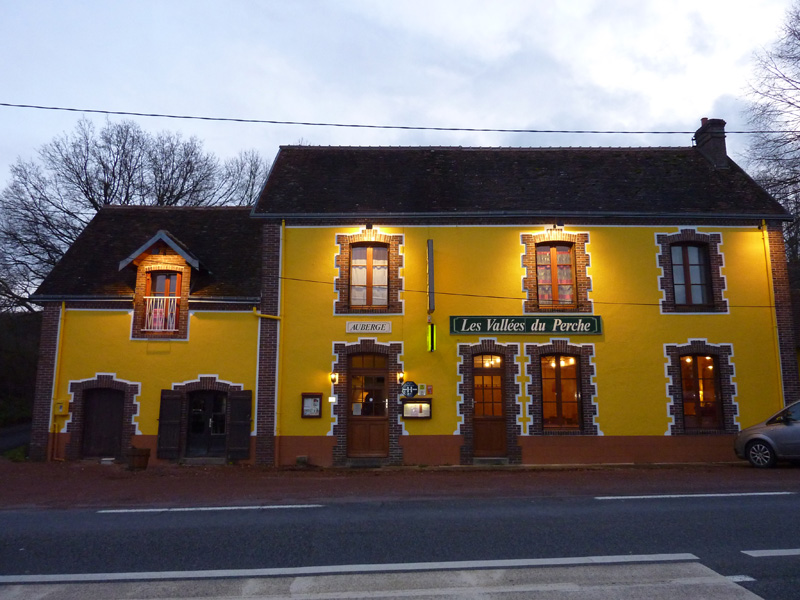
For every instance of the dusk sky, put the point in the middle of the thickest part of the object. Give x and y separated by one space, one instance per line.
534 64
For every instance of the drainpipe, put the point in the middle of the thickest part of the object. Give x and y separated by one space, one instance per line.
773 308
56 377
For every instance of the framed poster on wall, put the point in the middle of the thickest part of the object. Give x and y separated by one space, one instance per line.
311 406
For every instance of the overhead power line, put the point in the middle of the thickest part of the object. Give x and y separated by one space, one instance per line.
358 125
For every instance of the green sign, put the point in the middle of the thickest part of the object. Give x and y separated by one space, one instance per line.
584 325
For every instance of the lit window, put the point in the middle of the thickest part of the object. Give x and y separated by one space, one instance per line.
555 275
369 275
702 408
560 392
162 300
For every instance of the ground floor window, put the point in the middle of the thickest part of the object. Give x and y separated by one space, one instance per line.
702 389
560 392
702 408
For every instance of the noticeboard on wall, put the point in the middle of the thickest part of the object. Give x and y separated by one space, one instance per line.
311 406
417 408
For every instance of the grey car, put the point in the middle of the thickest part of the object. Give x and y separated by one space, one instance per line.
775 439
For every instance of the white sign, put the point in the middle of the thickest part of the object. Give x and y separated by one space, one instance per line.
369 327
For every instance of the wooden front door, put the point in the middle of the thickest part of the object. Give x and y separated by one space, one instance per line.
102 423
368 407
207 423
489 423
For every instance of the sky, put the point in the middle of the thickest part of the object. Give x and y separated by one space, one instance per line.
644 65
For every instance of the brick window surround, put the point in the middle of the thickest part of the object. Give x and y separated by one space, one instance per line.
166 261
78 390
666 283
583 283
343 351
342 282
511 391
727 389
588 391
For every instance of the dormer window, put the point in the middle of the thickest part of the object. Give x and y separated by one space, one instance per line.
164 269
162 301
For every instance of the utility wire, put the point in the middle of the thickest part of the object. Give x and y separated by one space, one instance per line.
515 298
361 125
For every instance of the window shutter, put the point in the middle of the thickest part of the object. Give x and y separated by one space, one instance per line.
239 418
169 425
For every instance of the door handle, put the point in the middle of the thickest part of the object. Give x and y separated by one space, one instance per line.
209 421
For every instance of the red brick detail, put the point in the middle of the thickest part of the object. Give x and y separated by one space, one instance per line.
511 391
166 260
392 351
78 390
269 330
45 374
666 282
727 389
587 390
787 341
342 282
583 283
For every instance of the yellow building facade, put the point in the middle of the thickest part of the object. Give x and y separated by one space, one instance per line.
389 306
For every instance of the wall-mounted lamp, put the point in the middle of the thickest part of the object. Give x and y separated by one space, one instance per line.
401 377
334 378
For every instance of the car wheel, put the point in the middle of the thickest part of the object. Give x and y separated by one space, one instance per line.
760 454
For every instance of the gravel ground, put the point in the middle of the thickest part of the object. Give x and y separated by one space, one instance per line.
88 484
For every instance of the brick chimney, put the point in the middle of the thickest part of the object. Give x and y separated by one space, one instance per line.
710 141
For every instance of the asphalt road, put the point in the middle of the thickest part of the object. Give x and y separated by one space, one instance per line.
717 530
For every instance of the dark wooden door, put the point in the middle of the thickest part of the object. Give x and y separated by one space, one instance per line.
207 423
489 422
368 404
102 423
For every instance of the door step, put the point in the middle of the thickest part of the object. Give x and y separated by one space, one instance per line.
196 461
365 463
485 461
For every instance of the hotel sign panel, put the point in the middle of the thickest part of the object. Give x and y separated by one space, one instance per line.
583 325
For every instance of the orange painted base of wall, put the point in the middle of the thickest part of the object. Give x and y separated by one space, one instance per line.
438 450
318 451
555 450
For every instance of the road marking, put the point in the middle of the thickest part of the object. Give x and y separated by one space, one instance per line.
206 508
763 553
343 569
667 496
739 578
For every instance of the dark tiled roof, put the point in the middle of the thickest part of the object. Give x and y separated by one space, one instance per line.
226 241
328 181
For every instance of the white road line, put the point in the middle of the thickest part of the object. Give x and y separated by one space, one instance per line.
763 553
340 569
206 508
667 496
739 578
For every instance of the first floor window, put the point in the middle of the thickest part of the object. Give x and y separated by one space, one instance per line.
560 392
702 408
690 274
555 275
369 275
162 298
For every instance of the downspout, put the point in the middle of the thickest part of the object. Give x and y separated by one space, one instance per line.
773 308
56 377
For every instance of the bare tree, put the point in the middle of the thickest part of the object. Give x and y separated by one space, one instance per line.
774 152
49 201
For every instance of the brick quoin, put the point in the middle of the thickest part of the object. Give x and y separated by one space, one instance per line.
783 313
45 374
268 344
